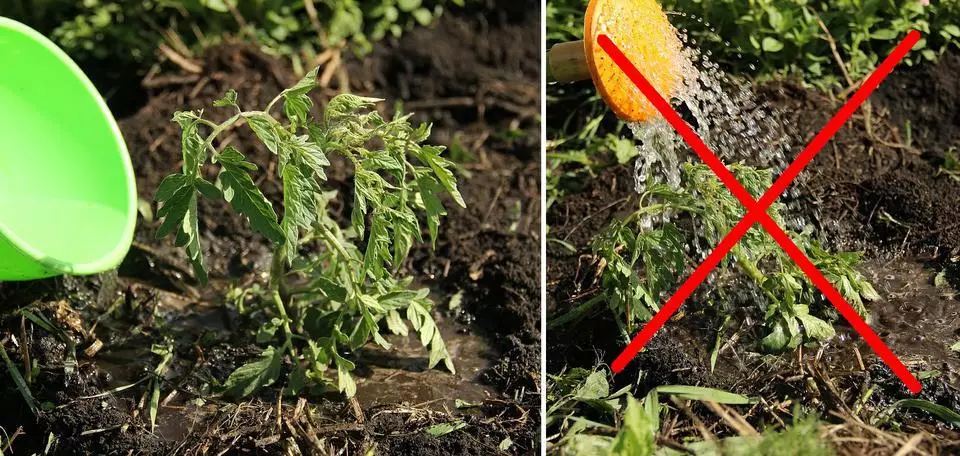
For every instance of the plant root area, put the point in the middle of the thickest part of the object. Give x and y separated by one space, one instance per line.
475 75
875 188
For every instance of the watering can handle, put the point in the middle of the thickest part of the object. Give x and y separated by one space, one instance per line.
644 34
567 62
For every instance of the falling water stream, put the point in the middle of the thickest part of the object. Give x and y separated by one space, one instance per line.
725 114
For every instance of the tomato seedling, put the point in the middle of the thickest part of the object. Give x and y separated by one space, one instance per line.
325 292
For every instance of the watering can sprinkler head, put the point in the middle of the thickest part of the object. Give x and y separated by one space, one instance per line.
68 198
642 32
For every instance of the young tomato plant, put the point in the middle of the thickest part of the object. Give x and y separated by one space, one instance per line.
646 254
326 294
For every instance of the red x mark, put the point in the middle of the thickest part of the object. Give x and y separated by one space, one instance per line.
757 210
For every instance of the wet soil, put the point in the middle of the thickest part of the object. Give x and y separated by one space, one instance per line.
475 76
870 189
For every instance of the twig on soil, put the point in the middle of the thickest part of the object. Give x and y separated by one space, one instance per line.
697 422
9 439
357 411
732 418
910 446
25 348
181 61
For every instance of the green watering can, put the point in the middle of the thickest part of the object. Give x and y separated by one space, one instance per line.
68 198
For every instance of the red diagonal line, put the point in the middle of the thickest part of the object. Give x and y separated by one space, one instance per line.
757 210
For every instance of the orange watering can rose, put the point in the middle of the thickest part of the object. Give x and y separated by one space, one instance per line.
641 30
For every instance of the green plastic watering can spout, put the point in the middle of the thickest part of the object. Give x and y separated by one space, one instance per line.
68 196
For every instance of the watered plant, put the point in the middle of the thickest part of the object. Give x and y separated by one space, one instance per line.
644 255
330 288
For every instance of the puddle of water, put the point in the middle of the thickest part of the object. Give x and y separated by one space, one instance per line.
400 375
916 319
394 376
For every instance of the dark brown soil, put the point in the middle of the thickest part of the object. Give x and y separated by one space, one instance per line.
475 76
865 191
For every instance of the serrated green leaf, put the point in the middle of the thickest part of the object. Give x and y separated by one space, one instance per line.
190 230
228 99
414 317
385 162
777 339
438 352
310 155
405 230
345 382
191 145
299 208
307 83
360 334
346 104
816 328
329 288
366 190
427 328
265 127
595 386
429 189
206 188
297 108
174 209
244 195
378 246
395 324
430 156
254 375
169 186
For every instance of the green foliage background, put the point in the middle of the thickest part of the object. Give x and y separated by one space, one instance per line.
784 37
130 30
